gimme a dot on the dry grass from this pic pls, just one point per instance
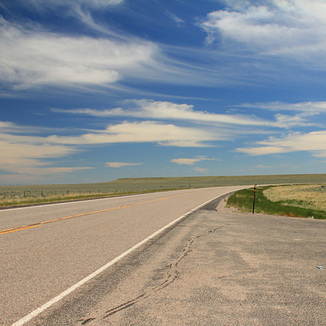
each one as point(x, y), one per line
point(18, 201)
point(305, 196)
point(24, 195)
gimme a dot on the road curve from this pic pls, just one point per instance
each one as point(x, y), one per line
point(47, 249)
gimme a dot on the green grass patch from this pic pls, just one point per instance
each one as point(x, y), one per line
point(243, 200)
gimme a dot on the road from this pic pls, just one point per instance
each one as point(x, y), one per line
point(216, 267)
point(47, 249)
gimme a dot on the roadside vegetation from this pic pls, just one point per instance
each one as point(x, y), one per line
point(44, 199)
point(35, 194)
point(9, 201)
point(288, 200)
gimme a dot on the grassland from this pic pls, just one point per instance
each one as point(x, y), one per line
point(22, 195)
point(290, 200)
point(305, 196)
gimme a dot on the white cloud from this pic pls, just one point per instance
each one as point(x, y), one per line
point(299, 115)
point(35, 158)
point(168, 110)
point(191, 161)
point(121, 164)
point(5, 125)
point(313, 142)
point(28, 155)
point(308, 108)
point(295, 28)
point(33, 58)
point(31, 155)
point(265, 150)
point(175, 18)
point(81, 10)
point(96, 3)
point(50, 4)
point(144, 132)
point(185, 161)
point(200, 170)
point(26, 158)
point(287, 121)
point(163, 110)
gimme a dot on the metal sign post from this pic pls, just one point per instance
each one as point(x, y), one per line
point(253, 204)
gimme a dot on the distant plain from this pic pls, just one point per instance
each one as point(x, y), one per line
point(33, 194)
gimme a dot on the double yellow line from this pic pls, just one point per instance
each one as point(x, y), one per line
point(26, 227)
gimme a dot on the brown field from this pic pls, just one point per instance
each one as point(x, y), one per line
point(305, 196)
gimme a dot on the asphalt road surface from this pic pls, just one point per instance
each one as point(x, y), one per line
point(45, 250)
point(216, 267)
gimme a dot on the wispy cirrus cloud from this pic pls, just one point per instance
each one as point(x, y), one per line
point(49, 4)
point(295, 28)
point(199, 135)
point(315, 107)
point(23, 158)
point(31, 57)
point(192, 161)
point(163, 110)
point(299, 114)
point(144, 132)
point(28, 155)
point(79, 10)
point(121, 164)
point(313, 142)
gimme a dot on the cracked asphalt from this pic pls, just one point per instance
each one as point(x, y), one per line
point(216, 267)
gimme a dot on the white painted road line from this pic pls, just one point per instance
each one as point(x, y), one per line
point(62, 295)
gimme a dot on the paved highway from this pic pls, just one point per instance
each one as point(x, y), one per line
point(213, 268)
point(45, 250)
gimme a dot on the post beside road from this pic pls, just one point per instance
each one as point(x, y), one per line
point(253, 204)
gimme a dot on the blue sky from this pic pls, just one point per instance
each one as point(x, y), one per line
point(95, 90)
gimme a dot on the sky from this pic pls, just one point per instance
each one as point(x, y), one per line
point(96, 90)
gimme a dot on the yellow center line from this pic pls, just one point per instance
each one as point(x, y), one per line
point(20, 228)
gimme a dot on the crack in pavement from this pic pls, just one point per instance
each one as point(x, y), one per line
point(171, 275)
